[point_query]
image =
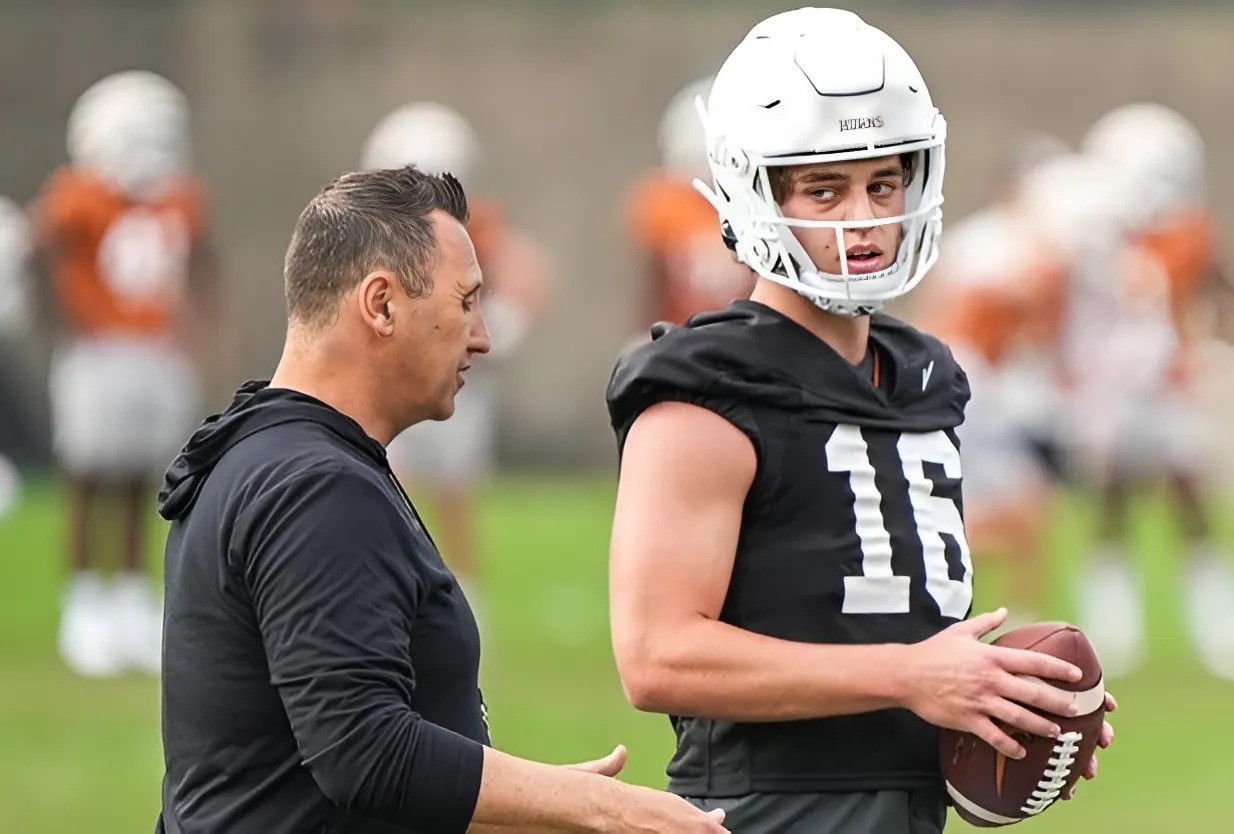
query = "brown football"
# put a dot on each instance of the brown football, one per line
(990, 790)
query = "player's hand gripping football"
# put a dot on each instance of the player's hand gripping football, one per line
(954, 680)
(1103, 741)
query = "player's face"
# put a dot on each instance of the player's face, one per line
(865, 189)
(452, 329)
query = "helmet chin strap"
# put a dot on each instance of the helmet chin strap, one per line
(807, 280)
(803, 276)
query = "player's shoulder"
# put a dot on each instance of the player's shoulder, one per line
(661, 206)
(918, 356)
(704, 362)
(189, 197)
(69, 193)
(486, 210)
(69, 179)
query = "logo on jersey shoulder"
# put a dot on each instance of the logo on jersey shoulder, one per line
(860, 124)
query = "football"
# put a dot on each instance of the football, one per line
(990, 790)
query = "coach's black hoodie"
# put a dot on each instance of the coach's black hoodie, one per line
(320, 662)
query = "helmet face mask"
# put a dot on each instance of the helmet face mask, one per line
(818, 86)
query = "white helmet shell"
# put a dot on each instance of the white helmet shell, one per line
(131, 128)
(820, 85)
(683, 142)
(1156, 148)
(431, 136)
(1075, 203)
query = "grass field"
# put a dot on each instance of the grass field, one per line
(84, 756)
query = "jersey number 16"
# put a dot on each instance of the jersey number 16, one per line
(878, 590)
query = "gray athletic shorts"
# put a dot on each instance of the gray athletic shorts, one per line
(922, 811)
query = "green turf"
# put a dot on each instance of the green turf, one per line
(84, 756)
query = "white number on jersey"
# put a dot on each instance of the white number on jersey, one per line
(878, 590)
(144, 256)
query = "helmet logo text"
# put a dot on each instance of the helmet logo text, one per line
(860, 124)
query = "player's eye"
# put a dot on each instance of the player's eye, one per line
(882, 189)
(823, 194)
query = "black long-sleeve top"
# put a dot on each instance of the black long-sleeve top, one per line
(320, 661)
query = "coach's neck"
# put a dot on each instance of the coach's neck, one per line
(847, 336)
(338, 369)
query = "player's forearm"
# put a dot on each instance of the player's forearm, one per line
(525, 796)
(708, 668)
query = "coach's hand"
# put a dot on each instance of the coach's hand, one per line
(954, 680)
(656, 811)
(610, 765)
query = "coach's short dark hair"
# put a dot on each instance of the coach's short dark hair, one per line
(364, 221)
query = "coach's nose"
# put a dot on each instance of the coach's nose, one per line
(479, 340)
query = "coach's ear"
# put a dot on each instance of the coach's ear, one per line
(374, 296)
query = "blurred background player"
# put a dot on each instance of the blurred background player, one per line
(15, 246)
(1149, 426)
(999, 316)
(121, 237)
(689, 269)
(450, 459)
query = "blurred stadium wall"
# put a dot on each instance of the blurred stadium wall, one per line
(566, 96)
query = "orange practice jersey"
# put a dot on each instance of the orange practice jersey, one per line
(677, 228)
(118, 266)
(487, 229)
(995, 288)
(1185, 248)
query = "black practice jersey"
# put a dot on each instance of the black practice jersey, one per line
(851, 533)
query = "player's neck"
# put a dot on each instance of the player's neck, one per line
(847, 336)
(312, 368)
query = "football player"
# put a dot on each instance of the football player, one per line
(451, 459)
(789, 574)
(689, 269)
(1152, 428)
(121, 233)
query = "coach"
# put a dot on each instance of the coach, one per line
(320, 662)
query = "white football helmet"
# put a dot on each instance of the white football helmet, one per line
(820, 85)
(683, 142)
(131, 128)
(1077, 206)
(431, 136)
(1158, 150)
(16, 244)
